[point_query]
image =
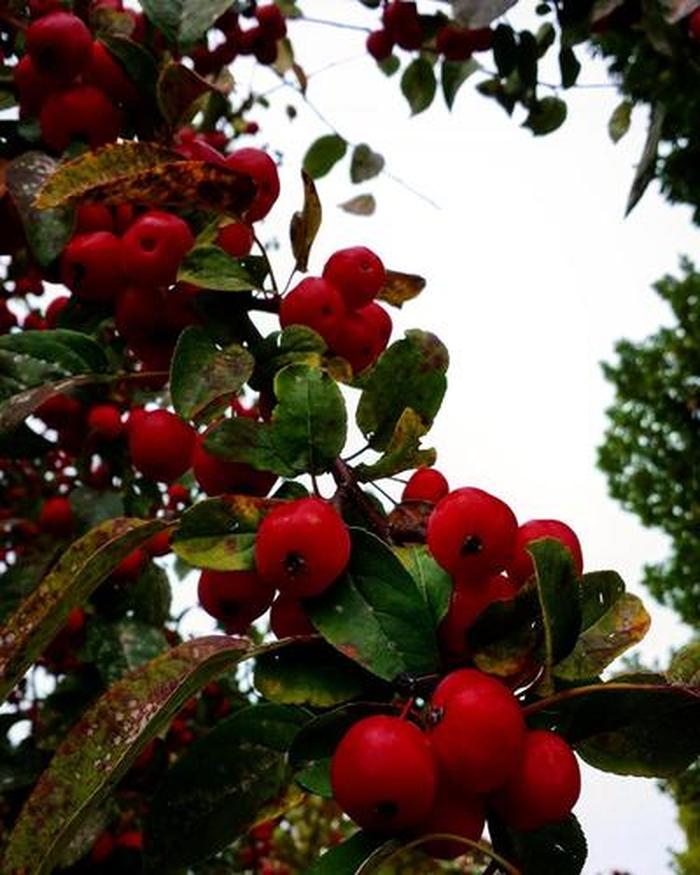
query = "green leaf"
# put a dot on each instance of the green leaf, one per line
(184, 22)
(202, 374)
(376, 614)
(401, 287)
(410, 373)
(305, 224)
(365, 164)
(620, 120)
(306, 433)
(599, 592)
(454, 75)
(220, 533)
(47, 231)
(433, 581)
(209, 267)
(117, 648)
(180, 92)
(138, 63)
(344, 859)
(65, 352)
(546, 115)
(309, 673)
(685, 665)
(505, 50)
(295, 345)
(556, 849)
(390, 66)
(83, 566)
(149, 598)
(323, 154)
(646, 168)
(418, 85)
(221, 786)
(403, 451)
(569, 66)
(106, 741)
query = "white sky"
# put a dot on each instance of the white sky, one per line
(532, 276)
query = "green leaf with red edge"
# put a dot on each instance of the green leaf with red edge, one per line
(106, 741)
(220, 533)
(180, 92)
(83, 566)
(305, 224)
(202, 374)
(635, 724)
(209, 267)
(222, 785)
(376, 614)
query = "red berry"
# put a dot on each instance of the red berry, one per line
(426, 484)
(468, 600)
(75, 621)
(288, 618)
(402, 23)
(302, 547)
(316, 304)
(383, 775)
(131, 840)
(472, 533)
(139, 312)
(235, 598)
(159, 544)
(56, 517)
(379, 45)
(217, 476)
(262, 170)
(454, 43)
(544, 786)
(59, 411)
(236, 239)
(83, 113)
(178, 493)
(105, 421)
(363, 336)
(54, 310)
(107, 74)
(131, 566)
(694, 25)
(271, 20)
(452, 814)
(93, 216)
(32, 86)
(91, 266)
(479, 731)
(154, 246)
(520, 566)
(357, 273)
(59, 45)
(161, 445)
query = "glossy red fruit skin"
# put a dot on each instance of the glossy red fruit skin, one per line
(544, 786)
(316, 304)
(56, 517)
(383, 775)
(288, 618)
(105, 421)
(379, 45)
(263, 171)
(520, 566)
(161, 445)
(93, 216)
(217, 476)
(468, 600)
(159, 544)
(131, 566)
(153, 247)
(59, 45)
(479, 731)
(452, 814)
(105, 73)
(235, 598)
(363, 336)
(357, 273)
(302, 547)
(91, 266)
(426, 484)
(472, 533)
(235, 238)
(84, 113)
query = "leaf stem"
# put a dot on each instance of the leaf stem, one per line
(268, 264)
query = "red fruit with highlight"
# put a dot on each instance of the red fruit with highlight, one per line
(59, 45)
(105, 421)
(316, 304)
(357, 273)
(153, 247)
(520, 566)
(235, 598)
(161, 445)
(32, 86)
(363, 336)
(235, 238)
(379, 45)
(56, 517)
(159, 544)
(91, 266)
(262, 170)
(426, 484)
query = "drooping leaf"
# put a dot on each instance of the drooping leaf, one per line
(410, 373)
(305, 224)
(220, 533)
(418, 85)
(556, 849)
(201, 373)
(309, 673)
(376, 614)
(454, 74)
(646, 168)
(620, 120)
(569, 67)
(47, 230)
(403, 451)
(105, 742)
(401, 287)
(84, 565)
(365, 164)
(221, 786)
(323, 154)
(209, 267)
(183, 22)
(361, 205)
(180, 92)
(546, 115)
(119, 647)
(433, 581)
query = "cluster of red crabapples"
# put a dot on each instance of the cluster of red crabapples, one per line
(402, 26)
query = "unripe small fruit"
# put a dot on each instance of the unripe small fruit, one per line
(56, 517)
(545, 785)
(302, 547)
(235, 598)
(426, 484)
(236, 238)
(520, 565)
(161, 445)
(263, 171)
(452, 814)
(472, 533)
(478, 731)
(288, 618)
(91, 266)
(316, 304)
(59, 45)
(357, 273)
(383, 775)
(153, 247)
(105, 421)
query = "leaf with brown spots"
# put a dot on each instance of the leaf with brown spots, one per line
(401, 287)
(107, 739)
(305, 224)
(84, 565)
